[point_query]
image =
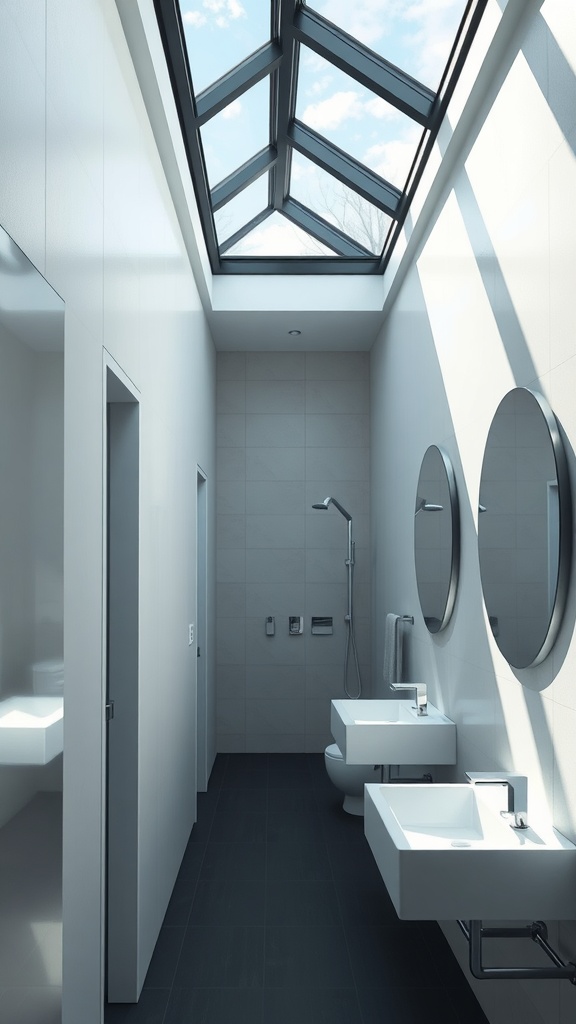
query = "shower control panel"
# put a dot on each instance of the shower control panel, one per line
(295, 625)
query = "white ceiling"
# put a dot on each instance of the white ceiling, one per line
(267, 330)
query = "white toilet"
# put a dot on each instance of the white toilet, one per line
(349, 778)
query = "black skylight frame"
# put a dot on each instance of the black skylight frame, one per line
(292, 24)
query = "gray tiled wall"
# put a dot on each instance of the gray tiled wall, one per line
(292, 428)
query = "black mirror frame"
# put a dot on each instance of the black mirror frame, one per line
(565, 528)
(455, 543)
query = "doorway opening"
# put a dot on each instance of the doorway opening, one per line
(202, 767)
(121, 601)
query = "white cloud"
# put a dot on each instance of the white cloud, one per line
(321, 85)
(332, 113)
(431, 29)
(232, 8)
(392, 160)
(380, 109)
(366, 20)
(194, 18)
(414, 34)
(224, 12)
(232, 111)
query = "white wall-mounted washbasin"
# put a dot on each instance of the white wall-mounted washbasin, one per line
(31, 729)
(392, 732)
(445, 853)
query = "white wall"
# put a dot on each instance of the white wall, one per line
(83, 193)
(489, 306)
(292, 428)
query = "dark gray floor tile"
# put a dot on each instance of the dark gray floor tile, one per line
(288, 771)
(303, 903)
(229, 901)
(468, 1009)
(240, 816)
(239, 826)
(206, 802)
(150, 1009)
(292, 800)
(311, 1006)
(165, 958)
(409, 1004)
(307, 958)
(293, 816)
(219, 956)
(353, 860)
(246, 770)
(185, 887)
(215, 1006)
(273, 844)
(244, 800)
(192, 861)
(442, 957)
(319, 775)
(364, 900)
(337, 825)
(234, 860)
(385, 956)
(202, 827)
(218, 771)
(297, 861)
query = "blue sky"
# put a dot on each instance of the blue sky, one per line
(414, 34)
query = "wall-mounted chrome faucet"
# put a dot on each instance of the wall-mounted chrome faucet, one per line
(420, 694)
(517, 793)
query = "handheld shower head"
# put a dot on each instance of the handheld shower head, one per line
(332, 501)
(427, 506)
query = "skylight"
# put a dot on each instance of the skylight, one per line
(307, 127)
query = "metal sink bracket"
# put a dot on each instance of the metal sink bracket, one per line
(537, 931)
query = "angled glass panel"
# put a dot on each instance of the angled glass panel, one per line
(354, 119)
(277, 236)
(416, 37)
(322, 193)
(237, 132)
(221, 33)
(239, 211)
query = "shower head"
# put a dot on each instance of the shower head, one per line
(427, 506)
(332, 501)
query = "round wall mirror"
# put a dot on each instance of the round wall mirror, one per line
(524, 527)
(436, 538)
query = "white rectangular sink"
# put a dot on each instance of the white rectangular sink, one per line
(31, 729)
(445, 853)
(392, 732)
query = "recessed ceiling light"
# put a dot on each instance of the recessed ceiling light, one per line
(294, 332)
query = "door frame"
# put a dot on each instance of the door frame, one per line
(121, 491)
(202, 767)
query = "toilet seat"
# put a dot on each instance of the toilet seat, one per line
(334, 751)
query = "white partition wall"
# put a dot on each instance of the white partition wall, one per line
(83, 193)
(487, 306)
